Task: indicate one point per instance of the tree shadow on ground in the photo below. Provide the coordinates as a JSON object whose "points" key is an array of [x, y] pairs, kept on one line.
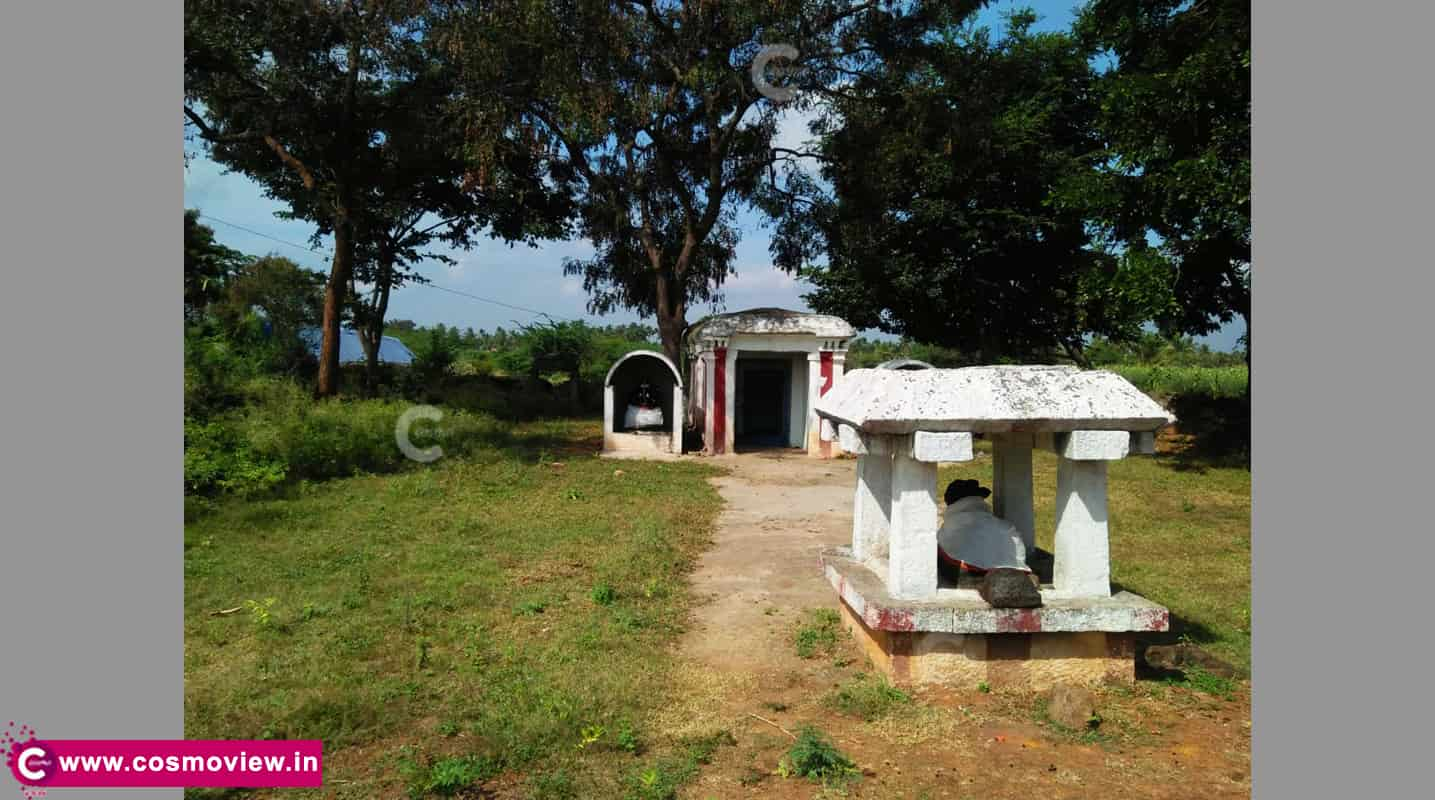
{"points": [[532, 446], [1180, 629], [1210, 432]]}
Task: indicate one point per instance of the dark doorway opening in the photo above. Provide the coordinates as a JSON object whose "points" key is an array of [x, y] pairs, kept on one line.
{"points": [[763, 387]]}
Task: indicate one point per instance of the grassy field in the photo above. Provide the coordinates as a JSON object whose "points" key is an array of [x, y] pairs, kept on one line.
{"points": [[509, 614], [505, 615], [1180, 535]]}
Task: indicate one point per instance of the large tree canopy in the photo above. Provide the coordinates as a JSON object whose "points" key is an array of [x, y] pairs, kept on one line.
{"points": [[339, 109], [651, 118], [1007, 197], [1174, 184], [934, 210]]}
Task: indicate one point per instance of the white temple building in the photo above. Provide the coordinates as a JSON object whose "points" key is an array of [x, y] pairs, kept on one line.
{"points": [[755, 376]]}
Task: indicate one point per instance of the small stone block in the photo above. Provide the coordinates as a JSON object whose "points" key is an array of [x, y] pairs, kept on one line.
{"points": [[1010, 588], [933, 447], [1143, 442], [1093, 445], [1185, 656], [1072, 707]]}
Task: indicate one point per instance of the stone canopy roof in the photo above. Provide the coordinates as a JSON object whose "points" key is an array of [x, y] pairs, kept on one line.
{"points": [[770, 320], [990, 400]]}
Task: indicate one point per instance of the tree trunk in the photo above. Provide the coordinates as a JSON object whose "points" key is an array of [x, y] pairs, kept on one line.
{"points": [[672, 322], [670, 330], [339, 273], [370, 342], [371, 330]]}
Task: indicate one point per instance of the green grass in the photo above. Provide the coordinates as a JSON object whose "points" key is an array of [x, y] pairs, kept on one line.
{"points": [[1180, 536], [817, 634], [1169, 381], [493, 613], [813, 756], [867, 697]]}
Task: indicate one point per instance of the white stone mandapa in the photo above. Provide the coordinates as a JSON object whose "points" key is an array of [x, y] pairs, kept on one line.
{"points": [[1083, 557], [1093, 445], [858, 443], [872, 507], [946, 446], [912, 544], [1012, 484], [990, 400]]}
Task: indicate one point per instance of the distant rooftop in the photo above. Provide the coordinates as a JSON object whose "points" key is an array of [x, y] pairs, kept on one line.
{"points": [[351, 350], [771, 320], [991, 400]]}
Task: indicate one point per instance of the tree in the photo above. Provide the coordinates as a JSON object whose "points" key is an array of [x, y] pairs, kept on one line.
{"points": [[938, 224], [291, 94], [1174, 181], [649, 115], [290, 297], [339, 108], [208, 266]]}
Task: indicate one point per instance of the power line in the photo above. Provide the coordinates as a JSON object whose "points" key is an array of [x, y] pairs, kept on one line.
{"points": [[430, 285]]}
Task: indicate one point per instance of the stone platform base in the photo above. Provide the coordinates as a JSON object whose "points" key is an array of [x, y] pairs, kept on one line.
{"points": [[638, 444], [1025, 660], [957, 639]]}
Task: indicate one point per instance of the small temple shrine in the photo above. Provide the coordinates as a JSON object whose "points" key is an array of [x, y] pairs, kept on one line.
{"points": [[643, 406], [920, 628], [755, 375]]}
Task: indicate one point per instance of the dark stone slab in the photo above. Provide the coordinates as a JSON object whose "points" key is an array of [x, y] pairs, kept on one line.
{"points": [[1010, 588]]}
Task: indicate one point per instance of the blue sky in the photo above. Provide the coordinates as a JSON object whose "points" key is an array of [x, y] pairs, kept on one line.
{"points": [[521, 275]]}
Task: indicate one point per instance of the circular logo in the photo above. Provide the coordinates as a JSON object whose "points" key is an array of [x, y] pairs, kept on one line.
{"points": [[401, 434], [760, 68], [34, 763]]}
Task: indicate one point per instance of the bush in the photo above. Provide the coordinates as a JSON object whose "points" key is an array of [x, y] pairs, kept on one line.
{"points": [[815, 757], [1165, 382], [218, 460], [279, 432]]}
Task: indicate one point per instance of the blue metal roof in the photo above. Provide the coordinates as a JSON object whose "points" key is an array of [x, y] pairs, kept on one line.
{"points": [[351, 350]]}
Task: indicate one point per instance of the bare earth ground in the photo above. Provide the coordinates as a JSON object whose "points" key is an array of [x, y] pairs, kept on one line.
{"points": [[755, 584]]}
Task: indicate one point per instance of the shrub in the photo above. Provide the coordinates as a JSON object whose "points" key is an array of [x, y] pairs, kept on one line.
{"points": [[815, 757], [218, 460], [280, 433], [1161, 381]]}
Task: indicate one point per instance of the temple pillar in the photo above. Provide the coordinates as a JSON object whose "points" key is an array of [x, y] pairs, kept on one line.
{"points": [[1012, 484], [1083, 556], [872, 505], [912, 549]]}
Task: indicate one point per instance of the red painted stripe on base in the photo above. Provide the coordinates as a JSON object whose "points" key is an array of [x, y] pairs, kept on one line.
{"points": [[895, 619], [1020, 620]]}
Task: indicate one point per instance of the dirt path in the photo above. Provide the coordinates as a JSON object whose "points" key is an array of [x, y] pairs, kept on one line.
{"points": [[779, 512], [757, 584]]}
